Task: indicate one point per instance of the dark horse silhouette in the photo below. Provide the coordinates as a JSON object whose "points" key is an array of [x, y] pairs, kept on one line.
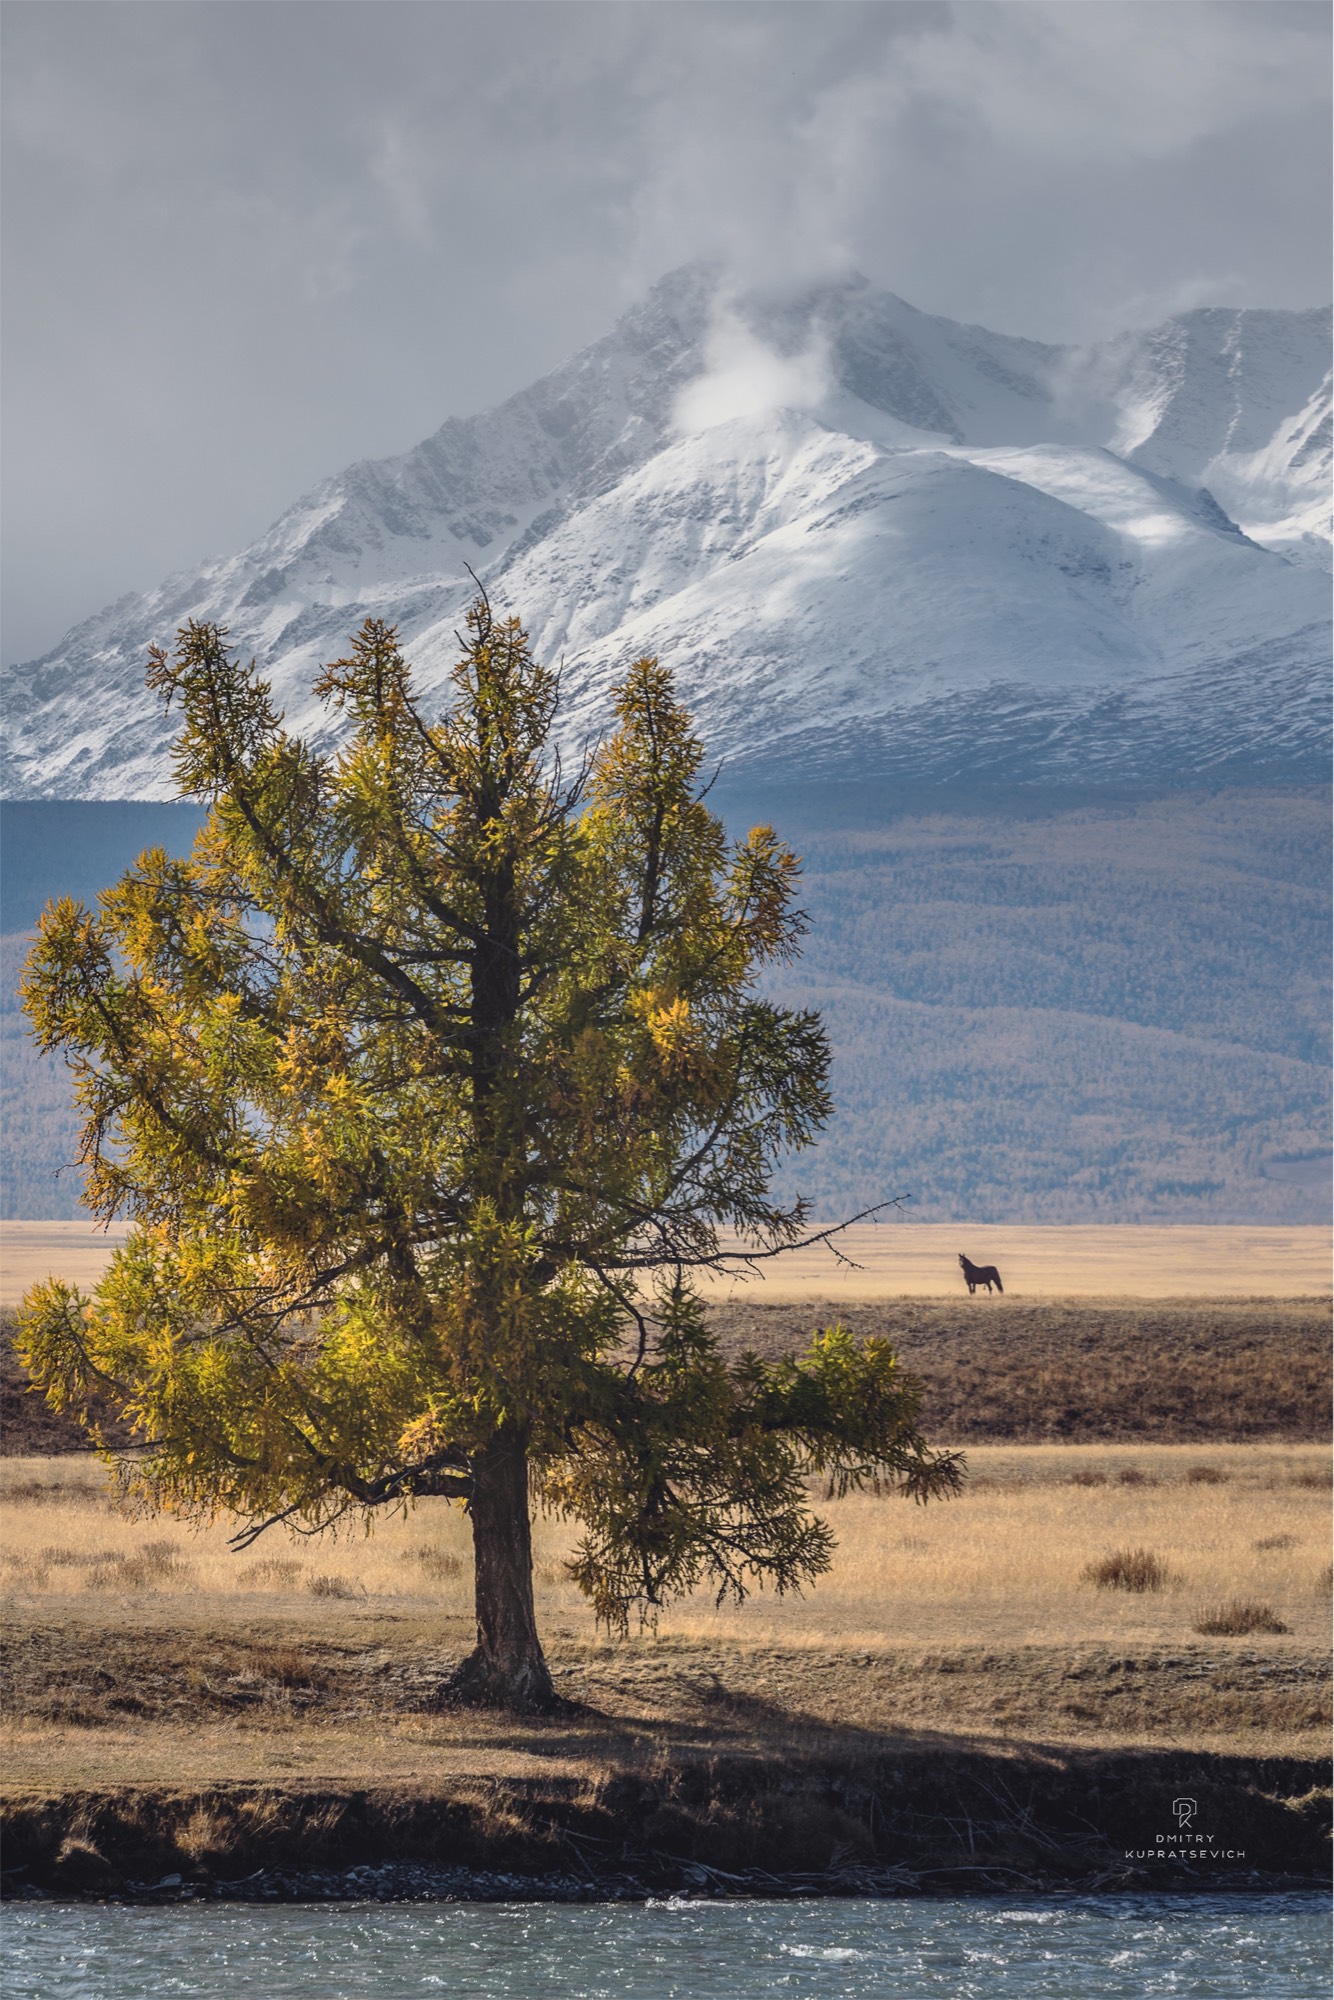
{"points": [[981, 1274]]}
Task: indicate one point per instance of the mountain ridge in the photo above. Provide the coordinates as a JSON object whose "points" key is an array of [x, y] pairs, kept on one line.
{"points": [[831, 513]]}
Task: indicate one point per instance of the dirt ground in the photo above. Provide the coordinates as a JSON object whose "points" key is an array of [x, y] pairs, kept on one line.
{"points": [[1170, 1371], [351, 1699]]}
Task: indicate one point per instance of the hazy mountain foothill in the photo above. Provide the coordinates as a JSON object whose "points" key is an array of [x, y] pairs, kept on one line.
{"points": [[1024, 647]]}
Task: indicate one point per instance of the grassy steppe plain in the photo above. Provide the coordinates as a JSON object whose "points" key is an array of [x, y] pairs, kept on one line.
{"points": [[149, 1650], [895, 1259], [149, 1663]]}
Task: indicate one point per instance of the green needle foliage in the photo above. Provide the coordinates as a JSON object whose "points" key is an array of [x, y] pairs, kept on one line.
{"points": [[428, 1081]]}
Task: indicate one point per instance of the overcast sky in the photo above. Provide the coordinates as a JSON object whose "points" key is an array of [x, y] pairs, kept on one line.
{"points": [[249, 241]]}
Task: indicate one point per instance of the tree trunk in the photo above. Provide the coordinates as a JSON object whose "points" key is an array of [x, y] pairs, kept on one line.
{"points": [[507, 1668]]}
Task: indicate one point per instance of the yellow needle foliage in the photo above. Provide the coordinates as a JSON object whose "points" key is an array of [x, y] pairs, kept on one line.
{"points": [[428, 1080]]}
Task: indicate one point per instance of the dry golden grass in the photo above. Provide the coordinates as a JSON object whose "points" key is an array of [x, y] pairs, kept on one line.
{"points": [[902, 1258], [143, 1652], [1009, 1561], [899, 1258]]}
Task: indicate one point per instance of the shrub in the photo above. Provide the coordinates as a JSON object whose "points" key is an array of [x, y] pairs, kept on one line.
{"points": [[1129, 1569], [332, 1586], [1088, 1478], [26, 1572], [290, 1669], [1130, 1475], [1205, 1475], [156, 1564], [1235, 1620], [273, 1573], [436, 1562]]}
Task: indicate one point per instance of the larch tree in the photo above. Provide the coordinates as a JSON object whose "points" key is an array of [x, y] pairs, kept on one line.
{"points": [[428, 1082]]}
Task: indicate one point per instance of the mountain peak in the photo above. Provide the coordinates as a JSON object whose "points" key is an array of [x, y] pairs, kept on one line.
{"points": [[852, 527]]}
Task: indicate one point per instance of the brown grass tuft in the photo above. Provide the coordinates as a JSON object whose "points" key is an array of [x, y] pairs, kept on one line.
{"points": [[25, 1572], [1204, 1475], [331, 1586], [206, 1836], [291, 1668], [273, 1573], [1236, 1620], [1128, 1569], [157, 1565], [437, 1563]]}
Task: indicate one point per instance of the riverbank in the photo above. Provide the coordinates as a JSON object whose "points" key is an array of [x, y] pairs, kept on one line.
{"points": [[923, 1818]]}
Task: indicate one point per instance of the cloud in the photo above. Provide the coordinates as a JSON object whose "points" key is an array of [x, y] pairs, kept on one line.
{"points": [[744, 378], [1107, 83], [246, 244], [1036, 158], [396, 170]]}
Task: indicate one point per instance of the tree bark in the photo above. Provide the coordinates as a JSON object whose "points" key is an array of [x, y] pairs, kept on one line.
{"points": [[507, 1668]]}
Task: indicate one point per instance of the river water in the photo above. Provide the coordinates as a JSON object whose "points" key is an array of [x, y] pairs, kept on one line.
{"points": [[1130, 1947]]}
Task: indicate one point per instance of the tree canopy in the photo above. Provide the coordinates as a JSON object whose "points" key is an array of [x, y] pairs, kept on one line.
{"points": [[428, 1082]]}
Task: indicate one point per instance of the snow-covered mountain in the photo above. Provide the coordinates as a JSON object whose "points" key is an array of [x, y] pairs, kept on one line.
{"points": [[865, 537]]}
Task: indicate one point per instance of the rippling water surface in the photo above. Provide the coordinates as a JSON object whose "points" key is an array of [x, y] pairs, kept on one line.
{"points": [[1078, 1948]]}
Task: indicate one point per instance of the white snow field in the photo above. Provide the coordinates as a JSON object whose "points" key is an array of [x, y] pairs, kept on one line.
{"points": [[865, 537]]}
